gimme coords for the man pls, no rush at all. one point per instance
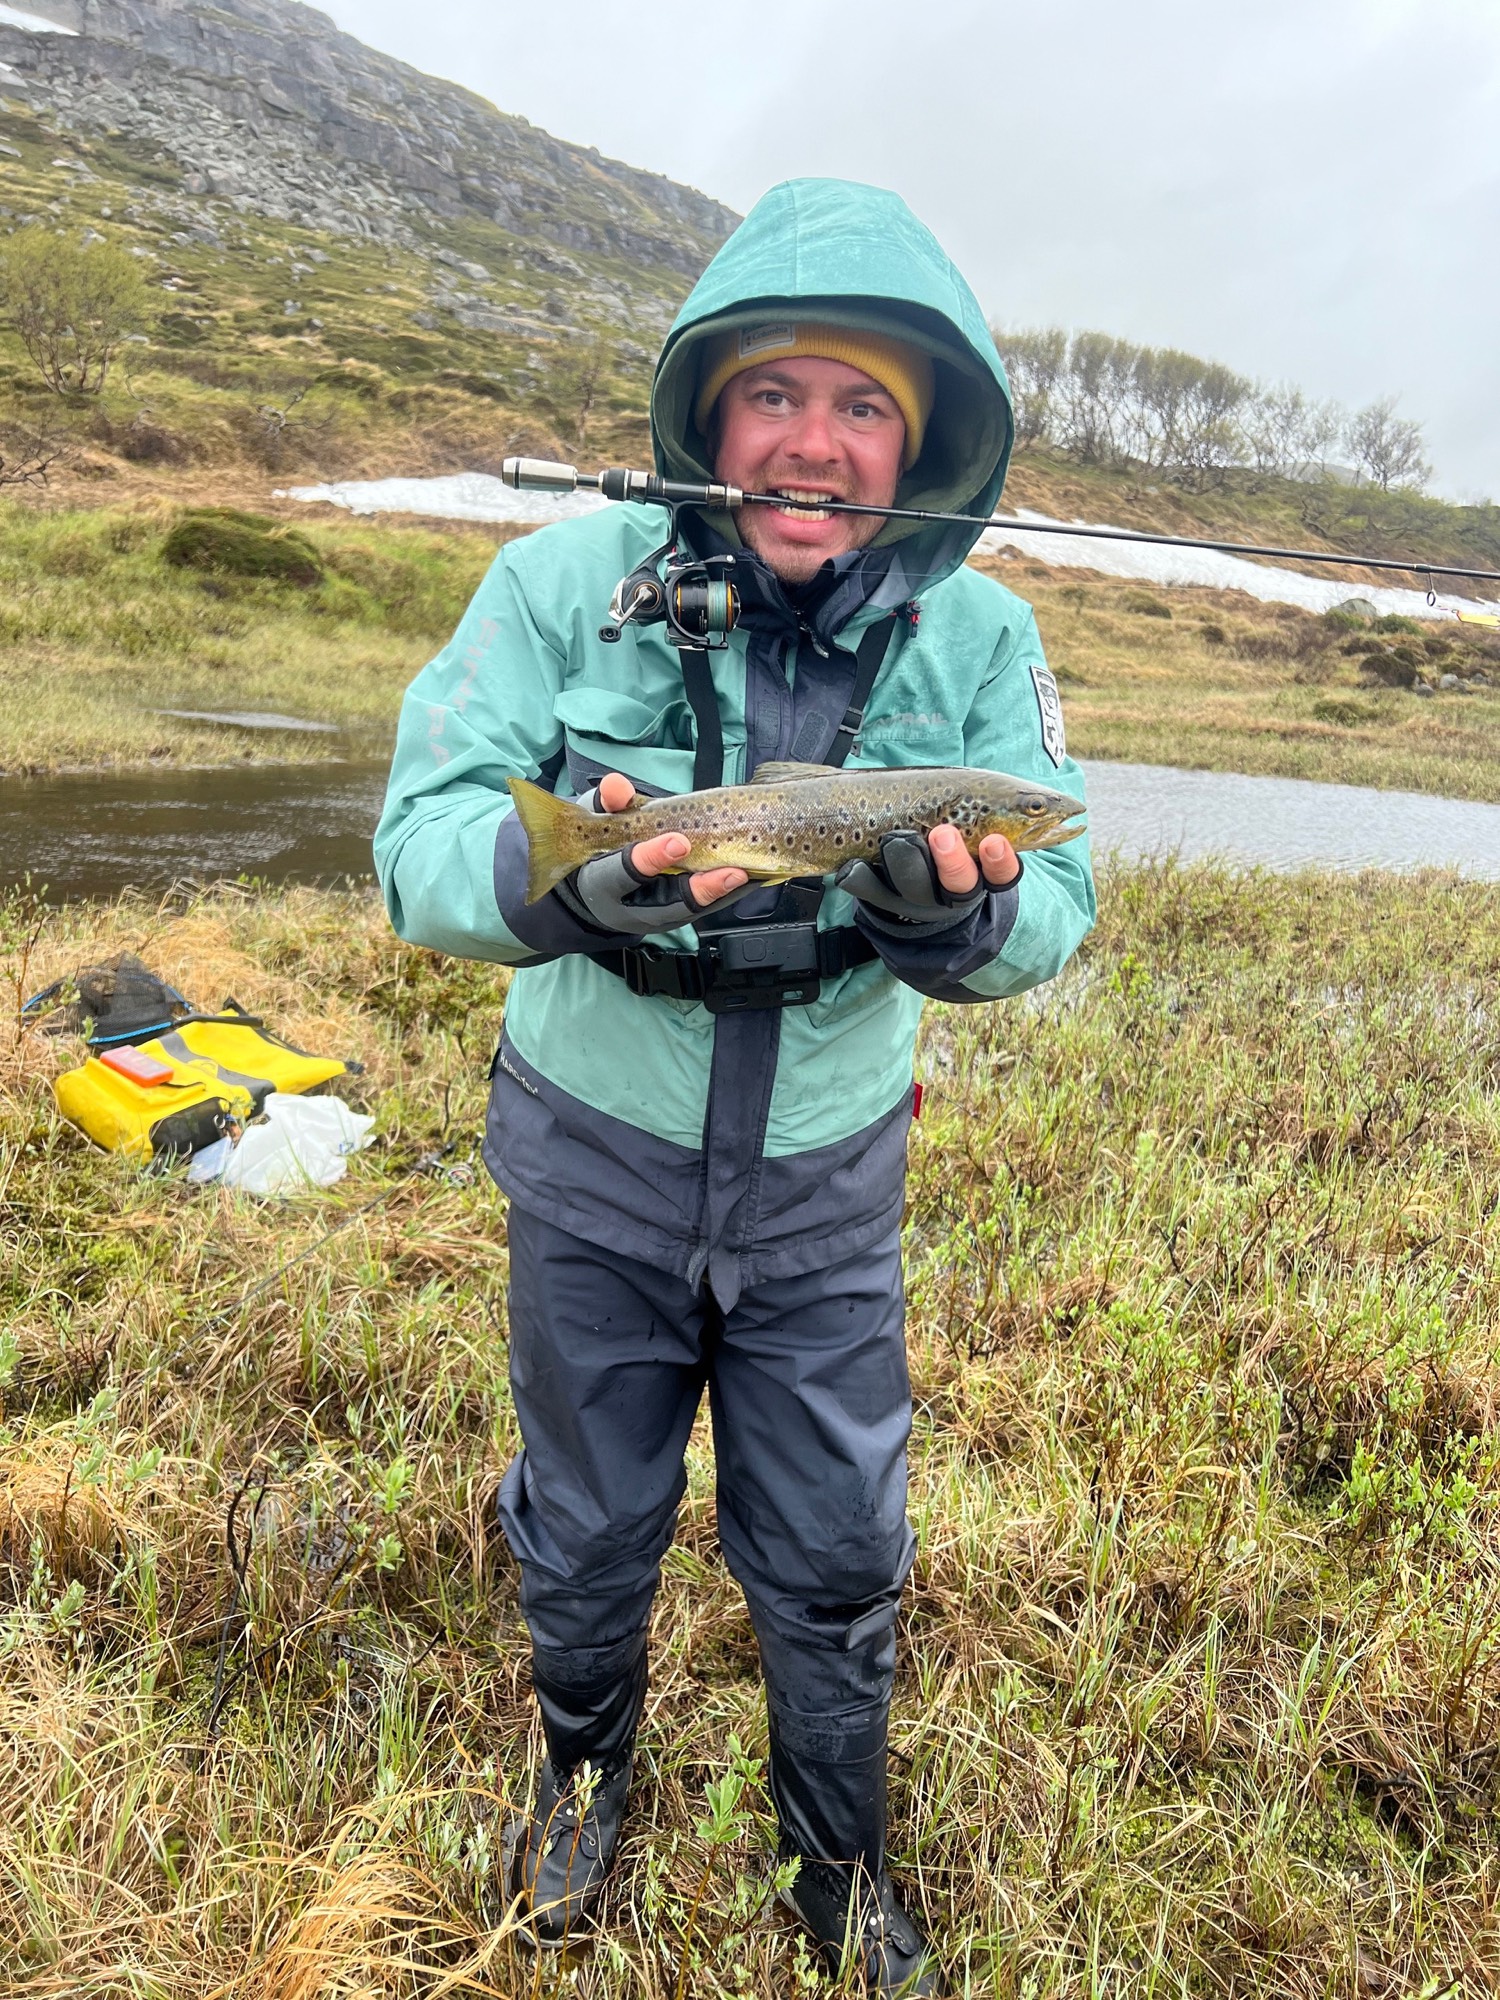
(706, 1191)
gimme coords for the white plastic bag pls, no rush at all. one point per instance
(304, 1143)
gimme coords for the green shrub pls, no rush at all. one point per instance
(1397, 668)
(1145, 605)
(71, 303)
(1343, 711)
(1393, 622)
(226, 542)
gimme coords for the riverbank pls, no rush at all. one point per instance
(111, 616)
(1199, 1675)
(103, 628)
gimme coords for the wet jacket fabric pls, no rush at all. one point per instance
(754, 1146)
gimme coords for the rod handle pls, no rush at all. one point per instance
(539, 475)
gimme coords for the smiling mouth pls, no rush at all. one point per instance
(803, 506)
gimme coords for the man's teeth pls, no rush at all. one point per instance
(804, 505)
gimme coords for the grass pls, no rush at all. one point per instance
(99, 631)
(373, 368)
(1212, 680)
(1199, 1684)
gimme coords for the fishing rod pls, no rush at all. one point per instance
(618, 482)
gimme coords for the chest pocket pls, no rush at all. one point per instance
(604, 731)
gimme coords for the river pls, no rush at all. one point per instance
(96, 835)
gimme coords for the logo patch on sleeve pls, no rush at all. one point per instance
(1049, 702)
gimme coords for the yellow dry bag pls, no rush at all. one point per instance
(130, 1101)
(182, 1089)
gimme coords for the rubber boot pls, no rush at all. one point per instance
(833, 1812)
(563, 1867)
(590, 1726)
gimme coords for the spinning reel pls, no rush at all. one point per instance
(698, 605)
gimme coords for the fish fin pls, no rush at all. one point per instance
(790, 774)
(559, 836)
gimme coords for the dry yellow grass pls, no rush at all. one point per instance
(1199, 1687)
(1225, 683)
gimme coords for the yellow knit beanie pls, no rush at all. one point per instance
(903, 371)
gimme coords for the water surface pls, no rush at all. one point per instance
(96, 835)
(1284, 823)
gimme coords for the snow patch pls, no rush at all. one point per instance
(461, 496)
(1208, 569)
(479, 496)
(12, 17)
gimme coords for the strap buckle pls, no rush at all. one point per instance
(655, 970)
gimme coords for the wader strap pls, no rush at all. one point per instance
(869, 659)
(760, 965)
(708, 752)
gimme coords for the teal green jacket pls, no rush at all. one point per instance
(765, 1143)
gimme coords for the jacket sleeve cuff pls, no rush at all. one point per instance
(547, 927)
(937, 963)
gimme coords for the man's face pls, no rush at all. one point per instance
(813, 427)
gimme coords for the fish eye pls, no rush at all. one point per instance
(1034, 806)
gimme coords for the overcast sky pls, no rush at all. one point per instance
(1308, 190)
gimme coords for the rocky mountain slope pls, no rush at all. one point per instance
(352, 266)
(266, 106)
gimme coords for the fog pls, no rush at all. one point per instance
(1308, 192)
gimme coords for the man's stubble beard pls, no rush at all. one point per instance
(800, 565)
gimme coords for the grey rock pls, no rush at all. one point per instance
(478, 272)
(268, 101)
(10, 152)
(1424, 691)
(1358, 607)
(489, 319)
(1451, 684)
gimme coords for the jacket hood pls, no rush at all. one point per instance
(855, 256)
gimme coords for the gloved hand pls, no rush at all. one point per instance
(904, 891)
(615, 893)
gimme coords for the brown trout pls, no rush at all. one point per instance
(794, 819)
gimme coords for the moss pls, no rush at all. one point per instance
(226, 542)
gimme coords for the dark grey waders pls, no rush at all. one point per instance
(810, 1402)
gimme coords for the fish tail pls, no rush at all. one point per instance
(560, 836)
